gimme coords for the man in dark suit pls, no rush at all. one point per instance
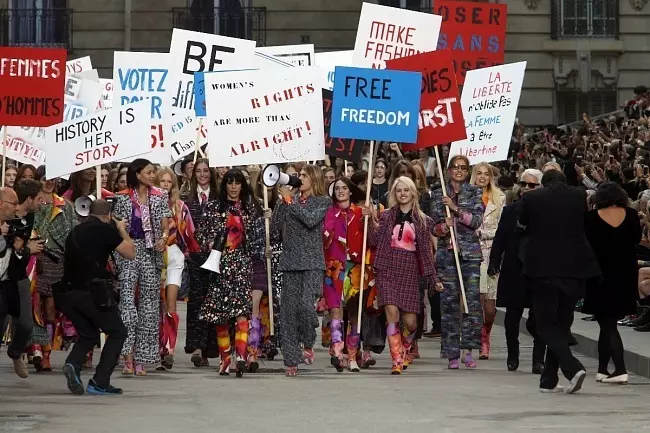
(557, 260)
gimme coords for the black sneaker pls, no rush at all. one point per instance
(644, 328)
(75, 385)
(94, 389)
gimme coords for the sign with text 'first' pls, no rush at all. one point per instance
(490, 99)
(387, 33)
(31, 86)
(375, 104)
(105, 137)
(201, 52)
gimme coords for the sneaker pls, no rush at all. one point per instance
(453, 364)
(601, 376)
(75, 385)
(620, 379)
(20, 368)
(353, 366)
(94, 389)
(310, 356)
(576, 382)
(555, 390)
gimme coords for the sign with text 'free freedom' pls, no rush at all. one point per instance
(490, 100)
(107, 136)
(373, 104)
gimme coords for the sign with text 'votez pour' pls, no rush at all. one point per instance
(31, 86)
(387, 33)
(490, 100)
(441, 116)
(346, 148)
(374, 104)
(105, 137)
(201, 52)
(475, 32)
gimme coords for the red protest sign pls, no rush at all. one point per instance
(474, 32)
(441, 116)
(31, 86)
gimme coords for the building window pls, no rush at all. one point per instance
(585, 19)
(571, 105)
(37, 23)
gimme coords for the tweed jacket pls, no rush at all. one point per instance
(54, 222)
(490, 223)
(470, 202)
(302, 246)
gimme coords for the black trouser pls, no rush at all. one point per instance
(511, 322)
(554, 300)
(610, 345)
(436, 318)
(88, 320)
(23, 323)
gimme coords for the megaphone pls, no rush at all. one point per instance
(330, 189)
(214, 259)
(82, 204)
(177, 167)
(272, 175)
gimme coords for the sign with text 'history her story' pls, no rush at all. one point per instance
(375, 104)
(490, 100)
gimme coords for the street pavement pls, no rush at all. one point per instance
(426, 398)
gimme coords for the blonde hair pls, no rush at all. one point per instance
(420, 177)
(392, 197)
(315, 175)
(174, 194)
(551, 166)
(492, 189)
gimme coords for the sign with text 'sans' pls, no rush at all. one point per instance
(83, 94)
(374, 104)
(329, 60)
(297, 55)
(105, 137)
(31, 86)
(25, 145)
(185, 126)
(387, 33)
(441, 116)
(490, 99)
(201, 52)
(272, 116)
(475, 32)
(145, 76)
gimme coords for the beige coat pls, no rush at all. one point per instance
(488, 228)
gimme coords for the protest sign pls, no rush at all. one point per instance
(375, 104)
(107, 93)
(475, 32)
(79, 65)
(296, 55)
(489, 100)
(185, 126)
(345, 148)
(201, 52)
(199, 90)
(83, 94)
(387, 33)
(330, 60)
(24, 145)
(441, 116)
(31, 86)
(104, 137)
(145, 76)
(272, 116)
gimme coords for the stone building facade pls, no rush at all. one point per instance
(583, 55)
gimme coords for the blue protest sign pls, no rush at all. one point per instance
(376, 104)
(199, 90)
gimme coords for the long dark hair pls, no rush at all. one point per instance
(356, 194)
(249, 203)
(23, 168)
(134, 169)
(193, 195)
(76, 180)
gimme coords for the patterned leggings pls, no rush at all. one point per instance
(142, 321)
(298, 318)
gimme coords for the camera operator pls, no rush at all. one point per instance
(87, 295)
(15, 297)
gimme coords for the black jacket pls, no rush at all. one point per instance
(16, 271)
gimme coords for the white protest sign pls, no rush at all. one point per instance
(79, 65)
(25, 145)
(201, 52)
(387, 33)
(297, 55)
(104, 137)
(328, 61)
(107, 93)
(145, 76)
(265, 61)
(82, 95)
(490, 99)
(184, 132)
(272, 116)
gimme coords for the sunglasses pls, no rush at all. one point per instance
(530, 185)
(459, 167)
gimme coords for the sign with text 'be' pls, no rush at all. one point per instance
(490, 100)
(475, 32)
(271, 116)
(201, 52)
(145, 77)
(31, 86)
(441, 116)
(387, 33)
(373, 104)
(105, 137)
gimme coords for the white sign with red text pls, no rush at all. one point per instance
(79, 65)
(107, 93)
(105, 137)
(25, 145)
(490, 99)
(387, 33)
(272, 116)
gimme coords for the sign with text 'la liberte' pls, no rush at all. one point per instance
(107, 136)
(31, 86)
(374, 104)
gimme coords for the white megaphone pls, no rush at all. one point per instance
(82, 204)
(214, 259)
(177, 167)
(330, 189)
(272, 175)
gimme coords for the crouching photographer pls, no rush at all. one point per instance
(87, 295)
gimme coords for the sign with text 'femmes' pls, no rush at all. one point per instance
(387, 33)
(201, 52)
(271, 116)
(105, 137)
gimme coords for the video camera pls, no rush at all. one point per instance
(19, 228)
